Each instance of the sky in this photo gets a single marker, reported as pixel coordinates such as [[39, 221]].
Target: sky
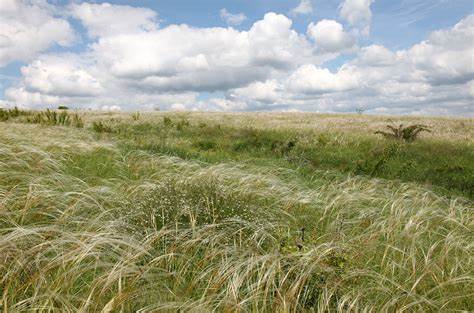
[[379, 56]]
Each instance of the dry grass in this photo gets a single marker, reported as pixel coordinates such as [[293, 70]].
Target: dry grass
[[159, 233], [443, 128]]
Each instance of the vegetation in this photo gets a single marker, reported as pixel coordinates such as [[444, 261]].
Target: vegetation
[[136, 116], [444, 165], [6, 114], [101, 127], [408, 134], [177, 212]]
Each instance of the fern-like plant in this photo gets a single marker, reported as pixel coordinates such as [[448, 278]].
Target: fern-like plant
[[407, 134]]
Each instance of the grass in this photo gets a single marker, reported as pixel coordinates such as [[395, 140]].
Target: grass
[[192, 213]]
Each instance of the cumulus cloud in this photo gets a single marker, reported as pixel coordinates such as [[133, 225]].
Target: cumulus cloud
[[28, 27], [357, 13], [60, 76], [447, 56], [381, 80], [266, 92], [330, 36], [232, 19], [311, 79], [376, 55], [106, 19], [266, 67], [303, 8], [180, 57]]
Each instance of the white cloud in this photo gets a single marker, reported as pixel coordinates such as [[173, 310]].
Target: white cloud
[[330, 36], [447, 57], [381, 80], [310, 79], [232, 19], [270, 66], [303, 8], [29, 27], [180, 57], [358, 14], [267, 92], [60, 76], [376, 55], [106, 19]]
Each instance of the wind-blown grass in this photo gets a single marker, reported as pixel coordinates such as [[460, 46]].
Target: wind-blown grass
[[90, 224]]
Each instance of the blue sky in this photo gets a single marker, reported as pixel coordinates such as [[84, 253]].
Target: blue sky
[[322, 81]]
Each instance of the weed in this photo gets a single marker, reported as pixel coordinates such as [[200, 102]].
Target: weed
[[136, 116], [408, 133], [53, 118], [6, 114], [167, 122], [205, 145], [182, 124], [77, 121], [102, 127]]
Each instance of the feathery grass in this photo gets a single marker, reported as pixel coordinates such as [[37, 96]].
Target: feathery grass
[[99, 222]]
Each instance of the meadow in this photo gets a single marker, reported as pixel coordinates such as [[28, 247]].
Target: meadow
[[234, 212]]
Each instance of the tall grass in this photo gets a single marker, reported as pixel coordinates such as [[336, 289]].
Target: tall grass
[[51, 118], [96, 227]]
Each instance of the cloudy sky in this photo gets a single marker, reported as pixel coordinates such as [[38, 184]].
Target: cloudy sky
[[384, 56]]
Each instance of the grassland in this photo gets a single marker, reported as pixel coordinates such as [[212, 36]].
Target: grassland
[[201, 212]]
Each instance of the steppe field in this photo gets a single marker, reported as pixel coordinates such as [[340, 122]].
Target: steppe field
[[237, 212]]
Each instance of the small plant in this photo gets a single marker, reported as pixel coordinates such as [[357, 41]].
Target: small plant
[[136, 116], [63, 119], [77, 121], [167, 121], [6, 114], [182, 124], [15, 112], [52, 118], [205, 145], [101, 127], [407, 134]]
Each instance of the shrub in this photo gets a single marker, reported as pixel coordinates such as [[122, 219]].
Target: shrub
[[63, 107], [407, 134]]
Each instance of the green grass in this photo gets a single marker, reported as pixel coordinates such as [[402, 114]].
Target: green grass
[[187, 215], [445, 165]]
